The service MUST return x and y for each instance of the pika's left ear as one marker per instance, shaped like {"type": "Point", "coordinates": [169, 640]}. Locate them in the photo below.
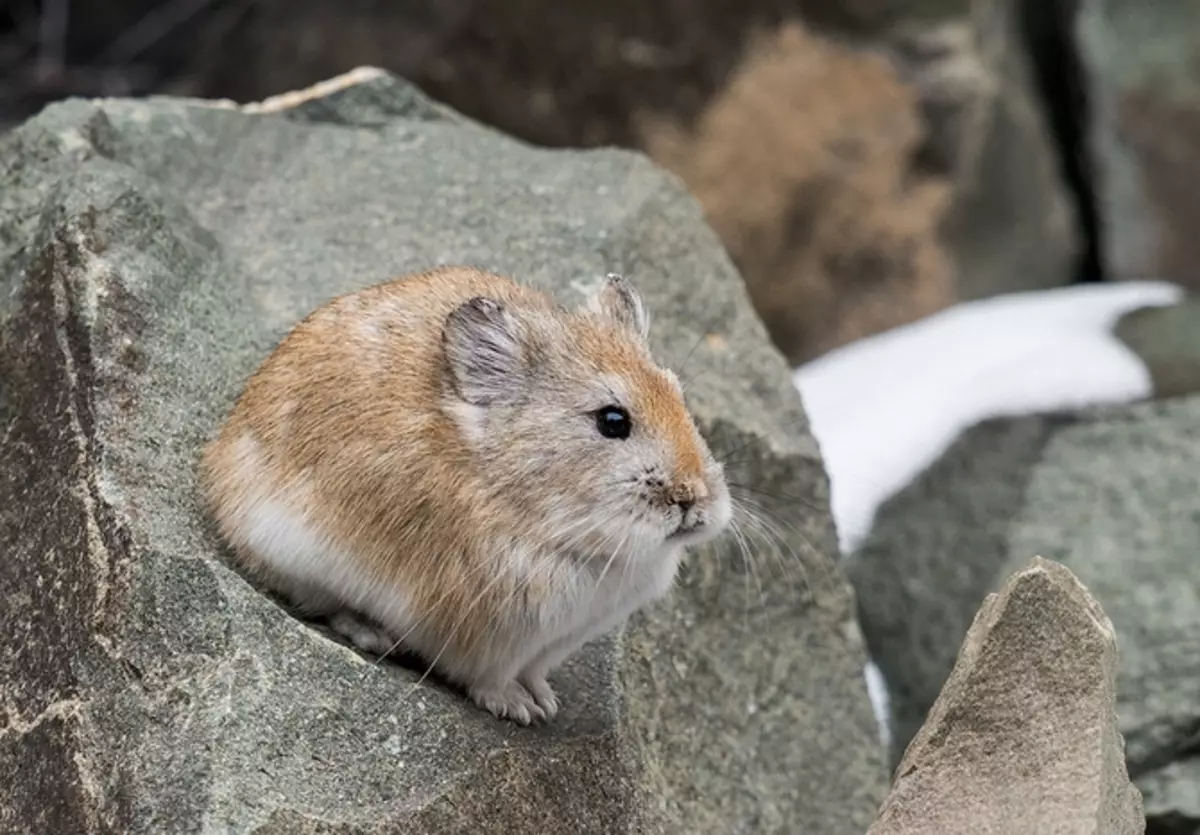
{"type": "Point", "coordinates": [618, 300]}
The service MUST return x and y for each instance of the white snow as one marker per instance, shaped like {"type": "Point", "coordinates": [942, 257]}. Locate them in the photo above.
{"type": "Point", "coordinates": [877, 692]}
{"type": "Point", "coordinates": [886, 407]}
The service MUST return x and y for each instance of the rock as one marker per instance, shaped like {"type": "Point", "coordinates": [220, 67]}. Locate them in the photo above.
{"type": "Point", "coordinates": [1142, 63]}
{"type": "Point", "coordinates": [1023, 737]}
{"type": "Point", "coordinates": [942, 565]}
{"type": "Point", "coordinates": [153, 252]}
{"type": "Point", "coordinates": [1172, 797]}
{"type": "Point", "coordinates": [1108, 494]}
{"type": "Point", "coordinates": [1167, 340]}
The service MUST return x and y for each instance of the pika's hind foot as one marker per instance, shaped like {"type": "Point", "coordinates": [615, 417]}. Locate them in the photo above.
{"type": "Point", "coordinates": [541, 691]}
{"type": "Point", "coordinates": [508, 701]}
{"type": "Point", "coordinates": [366, 636]}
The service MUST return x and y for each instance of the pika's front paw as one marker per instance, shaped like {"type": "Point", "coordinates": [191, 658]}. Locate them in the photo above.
{"type": "Point", "coordinates": [542, 692]}
{"type": "Point", "coordinates": [366, 636]}
{"type": "Point", "coordinates": [508, 701]}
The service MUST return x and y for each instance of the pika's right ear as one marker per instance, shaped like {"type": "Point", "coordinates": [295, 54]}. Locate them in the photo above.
{"type": "Point", "coordinates": [484, 354]}
{"type": "Point", "coordinates": [619, 301]}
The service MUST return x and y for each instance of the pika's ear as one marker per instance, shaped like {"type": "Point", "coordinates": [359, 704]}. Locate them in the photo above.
{"type": "Point", "coordinates": [618, 300]}
{"type": "Point", "coordinates": [484, 354]}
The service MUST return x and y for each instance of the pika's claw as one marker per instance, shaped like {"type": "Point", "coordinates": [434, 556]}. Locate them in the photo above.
{"type": "Point", "coordinates": [509, 701]}
{"type": "Point", "coordinates": [542, 693]}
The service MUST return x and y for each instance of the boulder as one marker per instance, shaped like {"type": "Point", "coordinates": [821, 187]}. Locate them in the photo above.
{"type": "Point", "coordinates": [1142, 64]}
{"type": "Point", "coordinates": [152, 253]}
{"type": "Point", "coordinates": [1108, 493]}
{"type": "Point", "coordinates": [1023, 737]}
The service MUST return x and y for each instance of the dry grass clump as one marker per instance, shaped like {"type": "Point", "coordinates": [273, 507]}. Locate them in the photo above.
{"type": "Point", "coordinates": [804, 167]}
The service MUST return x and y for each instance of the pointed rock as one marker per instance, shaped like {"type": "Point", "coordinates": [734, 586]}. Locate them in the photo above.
{"type": "Point", "coordinates": [1023, 737]}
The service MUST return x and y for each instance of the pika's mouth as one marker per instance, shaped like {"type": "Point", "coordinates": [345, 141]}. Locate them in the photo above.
{"type": "Point", "coordinates": [685, 532]}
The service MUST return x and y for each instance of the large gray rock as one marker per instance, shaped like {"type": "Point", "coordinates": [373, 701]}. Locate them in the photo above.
{"type": "Point", "coordinates": [1023, 737]}
{"type": "Point", "coordinates": [1142, 63]}
{"type": "Point", "coordinates": [1111, 495]}
{"type": "Point", "coordinates": [152, 253]}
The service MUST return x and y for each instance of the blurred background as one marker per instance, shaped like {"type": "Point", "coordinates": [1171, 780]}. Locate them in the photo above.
{"type": "Point", "coordinates": [866, 162]}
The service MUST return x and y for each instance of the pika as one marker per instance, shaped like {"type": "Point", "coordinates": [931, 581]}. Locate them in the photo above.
{"type": "Point", "coordinates": [453, 462]}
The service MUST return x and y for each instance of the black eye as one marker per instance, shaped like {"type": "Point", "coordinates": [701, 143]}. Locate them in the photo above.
{"type": "Point", "coordinates": [613, 422]}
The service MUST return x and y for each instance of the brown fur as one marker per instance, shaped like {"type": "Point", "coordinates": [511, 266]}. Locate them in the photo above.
{"type": "Point", "coordinates": [320, 358]}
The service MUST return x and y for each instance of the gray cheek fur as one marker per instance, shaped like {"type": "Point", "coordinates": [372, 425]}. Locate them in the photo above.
{"type": "Point", "coordinates": [543, 454]}
{"type": "Point", "coordinates": [554, 461]}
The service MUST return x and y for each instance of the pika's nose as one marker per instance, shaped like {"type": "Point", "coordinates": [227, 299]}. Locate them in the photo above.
{"type": "Point", "coordinates": [686, 493]}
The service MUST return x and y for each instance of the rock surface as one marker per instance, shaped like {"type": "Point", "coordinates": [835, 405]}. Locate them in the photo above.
{"type": "Point", "coordinates": [943, 565]}
{"type": "Point", "coordinates": [1012, 225]}
{"type": "Point", "coordinates": [1023, 737]}
{"type": "Point", "coordinates": [1143, 67]}
{"type": "Point", "coordinates": [1109, 494]}
{"type": "Point", "coordinates": [1167, 340]}
{"type": "Point", "coordinates": [1172, 797]}
{"type": "Point", "coordinates": [153, 252]}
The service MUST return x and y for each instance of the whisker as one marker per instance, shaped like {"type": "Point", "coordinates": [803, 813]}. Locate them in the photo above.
{"type": "Point", "coordinates": [748, 562]}
{"type": "Point", "coordinates": [761, 438]}
{"type": "Point", "coordinates": [779, 496]}
{"type": "Point", "coordinates": [625, 565]}
{"type": "Point", "coordinates": [784, 497]}
{"type": "Point", "coordinates": [695, 345]}
{"type": "Point", "coordinates": [750, 558]}
{"type": "Point", "coordinates": [762, 536]}
{"type": "Point", "coordinates": [768, 523]}
{"type": "Point", "coordinates": [753, 532]}
{"type": "Point", "coordinates": [609, 563]}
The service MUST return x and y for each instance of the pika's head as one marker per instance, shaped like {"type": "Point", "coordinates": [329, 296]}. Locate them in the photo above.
{"type": "Point", "coordinates": [569, 408]}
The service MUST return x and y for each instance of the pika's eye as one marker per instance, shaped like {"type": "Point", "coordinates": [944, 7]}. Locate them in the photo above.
{"type": "Point", "coordinates": [613, 422]}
